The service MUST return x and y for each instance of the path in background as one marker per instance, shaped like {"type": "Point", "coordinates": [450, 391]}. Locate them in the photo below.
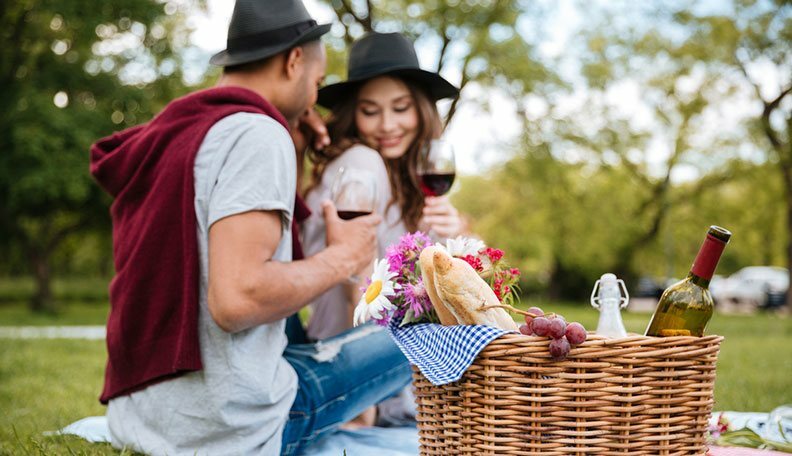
{"type": "Point", "coordinates": [642, 304]}
{"type": "Point", "coordinates": [52, 332]}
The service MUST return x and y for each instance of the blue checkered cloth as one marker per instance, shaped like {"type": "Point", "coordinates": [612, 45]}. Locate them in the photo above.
{"type": "Point", "coordinates": [442, 353]}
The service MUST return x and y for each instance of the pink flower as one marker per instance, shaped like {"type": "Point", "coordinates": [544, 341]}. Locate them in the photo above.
{"type": "Point", "coordinates": [395, 258]}
{"type": "Point", "coordinates": [403, 255]}
{"type": "Point", "coordinates": [417, 299]}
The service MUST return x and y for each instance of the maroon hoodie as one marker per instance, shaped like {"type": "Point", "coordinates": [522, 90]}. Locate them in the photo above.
{"type": "Point", "coordinates": [152, 329]}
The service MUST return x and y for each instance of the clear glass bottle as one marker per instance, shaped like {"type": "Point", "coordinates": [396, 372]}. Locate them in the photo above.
{"type": "Point", "coordinates": [686, 307]}
{"type": "Point", "coordinates": [607, 298]}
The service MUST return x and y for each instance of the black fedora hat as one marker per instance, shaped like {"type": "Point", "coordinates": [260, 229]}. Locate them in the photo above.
{"type": "Point", "coordinates": [378, 54]}
{"type": "Point", "coordinates": [263, 28]}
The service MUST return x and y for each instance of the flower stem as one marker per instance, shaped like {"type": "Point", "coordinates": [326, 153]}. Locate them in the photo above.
{"type": "Point", "coordinates": [515, 310]}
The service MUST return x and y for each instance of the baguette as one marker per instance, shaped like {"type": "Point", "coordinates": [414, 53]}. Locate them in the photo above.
{"type": "Point", "coordinates": [427, 272]}
{"type": "Point", "coordinates": [464, 293]}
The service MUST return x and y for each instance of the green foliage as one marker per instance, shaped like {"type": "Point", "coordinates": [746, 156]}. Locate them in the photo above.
{"type": "Point", "coordinates": [477, 39]}
{"type": "Point", "coordinates": [594, 188]}
{"type": "Point", "coordinates": [70, 73]}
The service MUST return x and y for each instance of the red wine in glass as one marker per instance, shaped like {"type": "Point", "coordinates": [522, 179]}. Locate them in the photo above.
{"type": "Point", "coordinates": [349, 215]}
{"type": "Point", "coordinates": [354, 192]}
{"type": "Point", "coordinates": [436, 184]}
{"type": "Point", "coordinates": [436, 168]}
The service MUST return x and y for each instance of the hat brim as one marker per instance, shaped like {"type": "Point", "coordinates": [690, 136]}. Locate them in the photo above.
{"type": "Point", "coordinates": [224, 58]}
{"type": "Point", "coordinates": [436, 86]}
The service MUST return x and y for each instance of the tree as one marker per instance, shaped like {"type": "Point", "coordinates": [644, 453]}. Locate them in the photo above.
{"type": "Point", "coordinates": [71, 72]}
{"type": "Point", "coordinates": [478, 40]}
{"type": "Point", "coordinates": [754, 43]}
{"type": "Point", "coordinates": [631, 154]}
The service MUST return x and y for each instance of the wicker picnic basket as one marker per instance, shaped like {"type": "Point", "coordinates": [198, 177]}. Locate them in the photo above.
{"type": "Point", "coordinates": [632, 396]}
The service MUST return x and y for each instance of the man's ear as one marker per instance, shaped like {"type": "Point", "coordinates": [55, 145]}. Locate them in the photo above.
{"type": "Point", "coordinates": [295, 59]}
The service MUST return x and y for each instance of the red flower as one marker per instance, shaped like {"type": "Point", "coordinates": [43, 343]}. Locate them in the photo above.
{"type": "Point", "coordinates": [493, 254]}
{"type": "Point", "coordinates": [475, 262]}
{"type": "Point", "coordinates": [497, 287]}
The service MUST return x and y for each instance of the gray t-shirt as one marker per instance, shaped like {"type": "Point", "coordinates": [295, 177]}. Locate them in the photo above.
{"type": "Point", "coordinates": [240, 401]}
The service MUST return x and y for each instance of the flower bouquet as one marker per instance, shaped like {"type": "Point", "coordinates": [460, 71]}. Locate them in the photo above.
{"type": "Point", "coordinates": [397, 292]}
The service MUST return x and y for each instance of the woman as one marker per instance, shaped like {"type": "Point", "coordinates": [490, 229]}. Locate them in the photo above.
{"type": "Point", "coordinates": [382, 117]}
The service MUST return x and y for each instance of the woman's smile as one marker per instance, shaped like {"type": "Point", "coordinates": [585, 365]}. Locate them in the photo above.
{"type": "Point", "coordinates": [391, 141]}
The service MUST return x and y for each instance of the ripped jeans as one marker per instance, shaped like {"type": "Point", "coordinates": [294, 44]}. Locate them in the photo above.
{"type": "Point", "coordinates": [339, 378]}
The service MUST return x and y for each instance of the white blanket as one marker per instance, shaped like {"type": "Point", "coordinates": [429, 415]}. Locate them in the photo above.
{"type": "Point", "coordinates": [399, 441]}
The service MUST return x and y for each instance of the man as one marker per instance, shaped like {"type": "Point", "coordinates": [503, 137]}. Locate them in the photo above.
{"type": "Point", "coordinates": [203, 223]}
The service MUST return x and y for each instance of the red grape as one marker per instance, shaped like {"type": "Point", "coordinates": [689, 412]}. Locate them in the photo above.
{"type": "Point", "coordinates": [557, 328]}
{"type": "Point", "coordinates": [525, 329]}
{"type": "Point", "coordinates": [559, 348]}
{"type": "Point", "coordinates": [540, 326]}
{"type": "Point", "coordinates": [576, 333]}
{"type": "Point", "coordinates": [537, 312]}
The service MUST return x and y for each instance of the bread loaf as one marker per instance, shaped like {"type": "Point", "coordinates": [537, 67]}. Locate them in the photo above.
{"type": "Point", "coordinates": [464, 293]}
{"type": "Point", "coordinates": [427, 272]}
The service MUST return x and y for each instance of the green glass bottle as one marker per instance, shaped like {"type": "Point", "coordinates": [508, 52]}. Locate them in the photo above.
{"type": "Point", "coordinates": [686, 307]}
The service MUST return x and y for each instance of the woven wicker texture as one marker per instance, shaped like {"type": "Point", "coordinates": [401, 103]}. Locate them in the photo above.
{"type": "Point", "coordinates": [636, 396]}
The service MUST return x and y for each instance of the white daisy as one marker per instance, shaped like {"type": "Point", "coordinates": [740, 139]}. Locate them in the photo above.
{"type": "Point", "coordinates": [375, 303]}
{"type": "Point", "coordinates": [462, 246]}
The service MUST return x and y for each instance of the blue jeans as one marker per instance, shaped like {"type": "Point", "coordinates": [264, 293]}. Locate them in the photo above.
{"type": "Point", "coordinates": [358, 368]}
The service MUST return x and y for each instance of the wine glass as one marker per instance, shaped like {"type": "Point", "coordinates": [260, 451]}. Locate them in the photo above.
{"type": "Point", "coordinates": [436, 168]}
{"type": "Point", "coordinates": [354, 192]}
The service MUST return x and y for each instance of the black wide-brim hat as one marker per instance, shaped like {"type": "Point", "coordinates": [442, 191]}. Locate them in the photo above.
{"type": "Point", "coordinates": [263, 28]}
{"type": "Point", "coordinates": [379, 54]}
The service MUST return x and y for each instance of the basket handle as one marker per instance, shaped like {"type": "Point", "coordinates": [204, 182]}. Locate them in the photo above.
{"type": "Point", "coordinates": [514, 310]}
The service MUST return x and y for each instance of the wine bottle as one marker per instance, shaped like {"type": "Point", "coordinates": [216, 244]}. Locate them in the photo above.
{"type": "Point", "coordinates": [686, 307]}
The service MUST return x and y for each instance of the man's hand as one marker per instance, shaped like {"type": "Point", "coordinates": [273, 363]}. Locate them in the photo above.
{"type": "Point", "coordinates": [442, 217]}
{"type": "Point", "coordinates": [310, 130]}
{"type": "Point", "coordinates": [353, 242]}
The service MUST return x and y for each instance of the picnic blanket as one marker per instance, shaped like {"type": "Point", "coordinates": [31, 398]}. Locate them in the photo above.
{"type": "Point", "coordinates": [403, 441]}
{"type": "Point", "coordinates": [736, 451]}
{"type": "Point", "coordinates": [395, 441]}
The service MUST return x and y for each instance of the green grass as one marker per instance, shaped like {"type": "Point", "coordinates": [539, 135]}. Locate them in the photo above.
{"type": "Point", "coordinates": [47, 384]}
{"type": "Point", "coordinates": [71, 313]}
{"type": "Point", "coordinates": [79, 301]}
{"type": "Point", "coordinates": [64, 289]}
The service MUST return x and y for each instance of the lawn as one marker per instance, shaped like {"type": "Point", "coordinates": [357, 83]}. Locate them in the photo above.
{"type": "Point", "coordinates": [47, 384]}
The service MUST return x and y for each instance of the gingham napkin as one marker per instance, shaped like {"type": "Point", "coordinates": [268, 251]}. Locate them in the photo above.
{"type": "Point", "coordinates": [442, 353]}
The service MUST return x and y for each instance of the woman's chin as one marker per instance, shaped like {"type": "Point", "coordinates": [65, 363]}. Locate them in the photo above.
{"type": "Point", "coordinates": [392, 151]}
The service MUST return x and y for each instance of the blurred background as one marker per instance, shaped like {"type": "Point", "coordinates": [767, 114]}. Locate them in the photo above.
{"type": "Point", "coordinates": [608, 135]}
{"type": "Point", "coordinates": [592, 136]}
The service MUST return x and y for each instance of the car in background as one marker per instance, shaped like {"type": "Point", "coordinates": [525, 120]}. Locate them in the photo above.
{"type": "Point", "coordinates": [753, 285]}
{"type": "Point", "coordinates": [648, 287]}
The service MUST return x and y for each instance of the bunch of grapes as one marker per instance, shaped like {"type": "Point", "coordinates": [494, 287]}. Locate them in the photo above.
{"type": "Point", "coordinates": [554, 326]}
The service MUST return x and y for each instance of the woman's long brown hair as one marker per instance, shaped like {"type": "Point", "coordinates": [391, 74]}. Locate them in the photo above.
{"type": "Point", "coordinates": [402, 171]}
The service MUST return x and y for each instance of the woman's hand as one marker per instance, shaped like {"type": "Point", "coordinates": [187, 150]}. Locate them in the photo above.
{"type": "Point", "coordinates": [441, 217]}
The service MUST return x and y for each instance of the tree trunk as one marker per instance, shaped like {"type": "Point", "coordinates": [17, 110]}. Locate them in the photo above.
{"type": "Point", "coordinates": [42, 299]}
{"type": "Point", "coordinates": [788, 196]}
{"type": "Point", "coordinates": [568, 282]}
